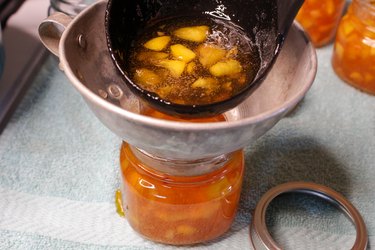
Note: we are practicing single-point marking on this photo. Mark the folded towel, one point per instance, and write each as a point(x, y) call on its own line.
point(59, 171)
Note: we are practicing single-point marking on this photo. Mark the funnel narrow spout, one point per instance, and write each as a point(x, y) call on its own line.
point(287, 11)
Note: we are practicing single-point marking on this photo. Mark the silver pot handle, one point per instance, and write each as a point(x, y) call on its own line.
point(51, 30)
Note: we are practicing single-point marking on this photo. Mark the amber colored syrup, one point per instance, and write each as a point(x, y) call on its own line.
point(354, 51)
point(180, 210)
point(179, 89)
point(156, 114)
point(320, 19)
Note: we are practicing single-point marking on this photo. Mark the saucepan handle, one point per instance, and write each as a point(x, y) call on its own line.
point(51, 30)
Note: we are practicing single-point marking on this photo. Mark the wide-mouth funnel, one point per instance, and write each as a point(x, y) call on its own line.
point(86, 62)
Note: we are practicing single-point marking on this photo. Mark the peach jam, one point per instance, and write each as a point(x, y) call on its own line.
point(320, 19)
point(176, 209)
point(193, 61)
point(354, 50)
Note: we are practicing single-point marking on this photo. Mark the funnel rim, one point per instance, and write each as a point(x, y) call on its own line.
point(186, 126)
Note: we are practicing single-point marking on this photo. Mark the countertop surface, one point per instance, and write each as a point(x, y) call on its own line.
point(59, 169)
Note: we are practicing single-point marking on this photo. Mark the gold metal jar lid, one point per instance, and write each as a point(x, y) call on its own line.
point(259, 234)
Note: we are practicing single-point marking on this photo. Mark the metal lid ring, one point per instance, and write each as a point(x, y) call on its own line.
point(259, 234)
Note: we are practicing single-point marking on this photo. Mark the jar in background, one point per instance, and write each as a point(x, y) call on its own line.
point(175, 209)
point(320, 19)
point(354, 51)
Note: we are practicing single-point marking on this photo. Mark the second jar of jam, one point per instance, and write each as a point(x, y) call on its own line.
point(176, 209)
point(320, 19)
point(354, 50)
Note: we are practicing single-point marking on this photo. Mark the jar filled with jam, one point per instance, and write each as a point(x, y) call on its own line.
point(320, 19)
point(354, 50)
point(179, 208)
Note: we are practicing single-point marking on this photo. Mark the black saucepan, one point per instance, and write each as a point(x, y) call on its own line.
point(265, 22)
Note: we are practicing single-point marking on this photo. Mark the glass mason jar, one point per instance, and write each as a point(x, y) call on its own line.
point(175, 209)
point(354, 50)
point(320, 19)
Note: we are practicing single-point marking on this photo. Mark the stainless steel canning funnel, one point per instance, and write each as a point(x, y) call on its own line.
point(81, 47)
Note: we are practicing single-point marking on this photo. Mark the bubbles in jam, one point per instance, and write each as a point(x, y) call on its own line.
point(195, 62)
